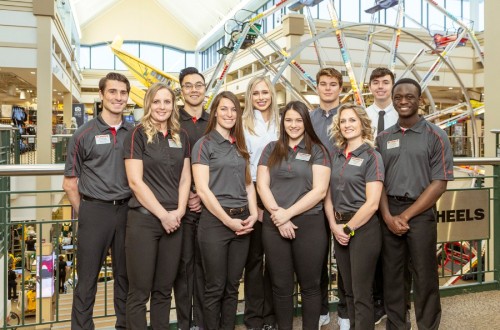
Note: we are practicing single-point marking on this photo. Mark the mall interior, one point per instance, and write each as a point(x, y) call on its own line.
point(54, 52)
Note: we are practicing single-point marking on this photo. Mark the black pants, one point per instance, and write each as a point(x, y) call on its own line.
point(223, 255)
point(100, 226)
point(62, 279)
point(258, 288)
point(303, 256)
point(12, 290)
point(189, 285)
point(419, 246)
point(357, 263)
point(325, 273)
point(152, 262)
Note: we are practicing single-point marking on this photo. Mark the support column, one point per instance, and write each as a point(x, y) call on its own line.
point(492, 115)
point(44, 10)
point(293, 29)
point(68, 109)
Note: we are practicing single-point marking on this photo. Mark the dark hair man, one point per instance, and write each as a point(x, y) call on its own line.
point(381, 112)
point(418, 164)
point(329, 85)
point(189, 284)
point(97, 188)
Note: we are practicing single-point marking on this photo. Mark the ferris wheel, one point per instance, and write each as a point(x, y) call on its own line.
point(373, 45)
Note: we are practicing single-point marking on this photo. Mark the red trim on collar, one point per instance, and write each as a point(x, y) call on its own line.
point(194, 119)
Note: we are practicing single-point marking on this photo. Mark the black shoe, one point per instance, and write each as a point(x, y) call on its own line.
point(379, 312)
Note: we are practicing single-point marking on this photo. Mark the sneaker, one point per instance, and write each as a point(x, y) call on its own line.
point(324, 319)
point(269, 327)
point(344, 324)
point(379, 311)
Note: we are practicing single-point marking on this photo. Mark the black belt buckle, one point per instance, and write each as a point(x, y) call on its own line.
point(346, 216)
point(114, 202)
point(236, 210)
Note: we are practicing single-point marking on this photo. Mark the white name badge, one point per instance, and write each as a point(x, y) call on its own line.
point(356, 161)
point(393, 144)
point(172, 144)
point(102, 139)
point(303, 156)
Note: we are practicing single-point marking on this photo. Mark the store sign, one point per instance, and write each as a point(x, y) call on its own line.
point(463, 215)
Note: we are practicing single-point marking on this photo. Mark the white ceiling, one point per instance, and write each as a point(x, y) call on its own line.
point(199, 16)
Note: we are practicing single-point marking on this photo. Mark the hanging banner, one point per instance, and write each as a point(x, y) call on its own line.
point(463, 215)
point(77, 113)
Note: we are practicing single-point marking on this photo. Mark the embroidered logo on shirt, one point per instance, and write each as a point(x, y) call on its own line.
point(393, 144)
point(303, 156)
point(356, 161)
point(102, 139)
point(172, 144)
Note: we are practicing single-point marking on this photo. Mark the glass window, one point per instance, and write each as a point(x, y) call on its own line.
point(436, 20)
point(480, 24)
point(323, 12)
point(84, 57)
point(152, 54)
point(132, 48)
point(349, 11)
point(173, 60)
point(190, 60)
point(414, 10)
point(101, 57)
point(454, 7)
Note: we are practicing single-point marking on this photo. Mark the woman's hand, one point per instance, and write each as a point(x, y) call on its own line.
point(247, 225)
point(234, 224)
point(287, 230)
point(279, 216)
point(170, 222)
point(179, 213)
point(340, 236)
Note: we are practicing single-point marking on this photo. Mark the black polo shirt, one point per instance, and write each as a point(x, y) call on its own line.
point(226, 166)
point(95, 156)
point(162, 160)
point(351, 174)
point(293, 178)
point(414, 157)
point(321, 122)
point(195, 129)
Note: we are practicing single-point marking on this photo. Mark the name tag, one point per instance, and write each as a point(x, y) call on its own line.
point(172, 144)
point(356, 161)
point(393, 144)
point(102, 139)
point(303, 156)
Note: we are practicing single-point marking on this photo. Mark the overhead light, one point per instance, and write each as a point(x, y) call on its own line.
point(33, 72)
point(22, 96)
point(450, 87)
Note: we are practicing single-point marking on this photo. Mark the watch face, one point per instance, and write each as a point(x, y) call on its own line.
point(347, 230)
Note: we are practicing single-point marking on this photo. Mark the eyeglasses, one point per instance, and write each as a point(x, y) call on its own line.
point(196, 86)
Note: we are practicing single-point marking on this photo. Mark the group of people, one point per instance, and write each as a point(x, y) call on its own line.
point(189, 200)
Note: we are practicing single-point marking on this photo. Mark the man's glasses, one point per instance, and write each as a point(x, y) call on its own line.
point(196, 86)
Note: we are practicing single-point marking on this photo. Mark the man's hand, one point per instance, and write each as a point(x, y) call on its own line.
point(194, 202)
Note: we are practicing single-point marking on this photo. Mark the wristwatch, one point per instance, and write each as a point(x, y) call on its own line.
point(348, 230)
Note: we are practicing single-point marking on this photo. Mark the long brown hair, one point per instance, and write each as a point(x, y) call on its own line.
point(280, 151)
point(173, 123)
point(236, 131)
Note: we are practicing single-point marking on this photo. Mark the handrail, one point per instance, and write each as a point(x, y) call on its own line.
point(58, 169)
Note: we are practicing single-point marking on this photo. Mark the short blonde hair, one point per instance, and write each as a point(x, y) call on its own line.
point(366, 125)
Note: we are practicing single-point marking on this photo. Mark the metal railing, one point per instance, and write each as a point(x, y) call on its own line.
point(465, 265)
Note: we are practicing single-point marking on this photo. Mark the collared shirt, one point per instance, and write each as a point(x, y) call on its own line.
point(414, 157)
point(226, 168)
point(351, 174)
point(390, 118)
point(195, 130)
point(293, 177)
point(322, 121)
point(264, 133)
point(95, 156)
point(163, 162)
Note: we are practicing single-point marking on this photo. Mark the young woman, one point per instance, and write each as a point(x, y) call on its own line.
point(222, 176)
point(355, 190)
point(292, 181)
point(158, 170)
point(260, 125)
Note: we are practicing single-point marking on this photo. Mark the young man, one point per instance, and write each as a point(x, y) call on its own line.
point(329, 85)
point(189, 284)
point(383, 115)
point(97, 188)
point(381, 112)
point(408, 207)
